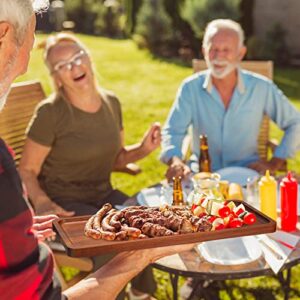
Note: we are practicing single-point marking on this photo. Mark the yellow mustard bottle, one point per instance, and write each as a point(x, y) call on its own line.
point(268, 195)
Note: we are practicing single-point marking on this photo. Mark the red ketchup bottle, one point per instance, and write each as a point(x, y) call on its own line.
point(289, 197)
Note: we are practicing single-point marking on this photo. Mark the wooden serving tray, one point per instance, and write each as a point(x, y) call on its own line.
point(71, 231)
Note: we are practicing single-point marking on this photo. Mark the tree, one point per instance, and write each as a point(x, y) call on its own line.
point(155, 26)
point(199, 12)
point(131, 8)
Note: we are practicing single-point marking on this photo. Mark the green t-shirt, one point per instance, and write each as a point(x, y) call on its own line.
point(83, 145)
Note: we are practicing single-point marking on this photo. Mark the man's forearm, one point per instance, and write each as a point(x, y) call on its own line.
point(109, 280)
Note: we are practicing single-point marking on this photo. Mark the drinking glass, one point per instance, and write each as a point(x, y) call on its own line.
point(252, 191)
point(166, 193)
point(204, 182)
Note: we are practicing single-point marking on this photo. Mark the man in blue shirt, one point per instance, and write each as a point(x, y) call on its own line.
point(227, 104)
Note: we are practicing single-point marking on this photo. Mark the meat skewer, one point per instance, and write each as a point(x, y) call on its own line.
point(138, 222)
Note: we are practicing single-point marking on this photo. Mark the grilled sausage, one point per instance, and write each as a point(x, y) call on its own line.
point(107, 235)
point(121, 235)
point(115, 220)
point(131, 231)
point(105, 224)
point(90, 231)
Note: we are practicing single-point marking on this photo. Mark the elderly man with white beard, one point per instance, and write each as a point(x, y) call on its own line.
point(26, 263)
point(227, 104)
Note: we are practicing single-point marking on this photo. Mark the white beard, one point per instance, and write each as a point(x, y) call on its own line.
point(220, 73)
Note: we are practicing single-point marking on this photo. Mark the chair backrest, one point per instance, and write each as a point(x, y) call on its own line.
point(265, 68)
point(17, 113)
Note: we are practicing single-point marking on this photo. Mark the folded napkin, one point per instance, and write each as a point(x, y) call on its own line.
point(275, 252)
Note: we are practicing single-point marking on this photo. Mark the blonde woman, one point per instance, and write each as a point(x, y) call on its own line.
point(75, 138)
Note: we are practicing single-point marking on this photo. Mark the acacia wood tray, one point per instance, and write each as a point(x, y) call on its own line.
point(71, 232)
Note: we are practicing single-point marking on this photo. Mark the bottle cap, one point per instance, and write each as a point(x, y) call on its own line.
point(267, 179)
point(289, 179)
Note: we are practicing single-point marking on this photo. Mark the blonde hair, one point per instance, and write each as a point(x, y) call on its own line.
point(220, 24)
point(53, 41)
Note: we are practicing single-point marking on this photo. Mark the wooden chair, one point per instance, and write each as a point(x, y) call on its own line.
point(14, 120)
point(265, 68)
point(17, 113)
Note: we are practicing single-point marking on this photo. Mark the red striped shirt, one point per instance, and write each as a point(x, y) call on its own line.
point(26, 267)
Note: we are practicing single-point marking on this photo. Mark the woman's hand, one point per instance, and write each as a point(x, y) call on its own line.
point(42, 227)
point(152, 138)
point(44, 206)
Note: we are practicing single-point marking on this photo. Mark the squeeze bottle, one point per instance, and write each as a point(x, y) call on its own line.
point(268, 195)
point(288, 197)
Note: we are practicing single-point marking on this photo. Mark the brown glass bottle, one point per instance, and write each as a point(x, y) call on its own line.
point(204, 159)
point(177, 192)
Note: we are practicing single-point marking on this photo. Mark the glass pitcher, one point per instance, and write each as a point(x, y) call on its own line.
point(204, 183)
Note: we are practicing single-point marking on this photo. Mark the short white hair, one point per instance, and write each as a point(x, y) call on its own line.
point(19, 12)
point(222, 24)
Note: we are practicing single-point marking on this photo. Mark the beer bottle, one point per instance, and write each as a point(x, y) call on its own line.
point(204, 159)
point(177, 192)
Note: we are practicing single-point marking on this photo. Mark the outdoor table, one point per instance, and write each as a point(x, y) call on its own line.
point(191, 264)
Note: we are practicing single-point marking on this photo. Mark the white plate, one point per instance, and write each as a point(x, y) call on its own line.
point(233, 251)
point(237, 174)
point(149, 197)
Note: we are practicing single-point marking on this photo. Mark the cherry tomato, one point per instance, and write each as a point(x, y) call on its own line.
point(235, 223)
point(224, 211)
point(228, 219)
point(219, 227)
point(249, 218)
point(211, 218)
point(193, 207)
point(202, 215)
point(233, 214)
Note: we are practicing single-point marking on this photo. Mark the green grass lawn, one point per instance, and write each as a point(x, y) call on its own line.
point(146, 87)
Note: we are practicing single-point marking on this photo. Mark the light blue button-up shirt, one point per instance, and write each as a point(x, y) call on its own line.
point(232, 133)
